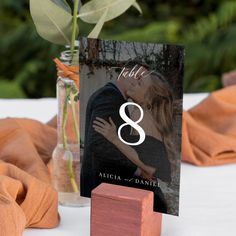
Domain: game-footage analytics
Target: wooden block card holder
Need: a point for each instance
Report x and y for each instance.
(123, 211)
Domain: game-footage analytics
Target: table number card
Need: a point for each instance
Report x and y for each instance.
(131, 110)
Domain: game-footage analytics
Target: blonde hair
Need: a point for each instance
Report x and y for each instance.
(159, 101)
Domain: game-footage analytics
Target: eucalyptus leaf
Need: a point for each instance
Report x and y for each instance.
(97, 29)
(63, 4)
(92, 11)
(52, 22)
(137, 6)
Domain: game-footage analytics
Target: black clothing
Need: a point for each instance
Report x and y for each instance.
(152, 152)
(100, 155)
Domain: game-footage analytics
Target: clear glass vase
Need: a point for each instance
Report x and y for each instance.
(67, 154)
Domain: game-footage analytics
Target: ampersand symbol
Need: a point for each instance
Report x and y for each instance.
(132, 123)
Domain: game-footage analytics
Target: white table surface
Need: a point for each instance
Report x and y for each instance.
(207, 195)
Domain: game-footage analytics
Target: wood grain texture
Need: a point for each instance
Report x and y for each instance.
(118, 210)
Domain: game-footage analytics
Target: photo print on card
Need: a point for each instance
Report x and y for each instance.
(131, 117)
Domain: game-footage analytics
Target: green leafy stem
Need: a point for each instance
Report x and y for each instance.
(70, 99)
(74, 32)
(57, 22)
(70, 96)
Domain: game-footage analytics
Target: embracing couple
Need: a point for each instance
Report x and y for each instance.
(104, 151)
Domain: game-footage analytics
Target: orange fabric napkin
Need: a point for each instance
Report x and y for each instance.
(27, 198)
(209, 130)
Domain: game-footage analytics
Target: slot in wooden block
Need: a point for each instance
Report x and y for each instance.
(123, 211)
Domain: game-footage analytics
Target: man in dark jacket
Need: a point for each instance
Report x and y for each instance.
(100, 156)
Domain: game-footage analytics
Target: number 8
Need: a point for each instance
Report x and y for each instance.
(131, 123)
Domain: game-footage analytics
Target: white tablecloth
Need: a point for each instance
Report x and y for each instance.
(207, 195)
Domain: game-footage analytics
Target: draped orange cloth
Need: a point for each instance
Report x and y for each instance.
(27, 198)
(209, 130)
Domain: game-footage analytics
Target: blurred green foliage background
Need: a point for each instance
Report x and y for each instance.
(207, 29)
